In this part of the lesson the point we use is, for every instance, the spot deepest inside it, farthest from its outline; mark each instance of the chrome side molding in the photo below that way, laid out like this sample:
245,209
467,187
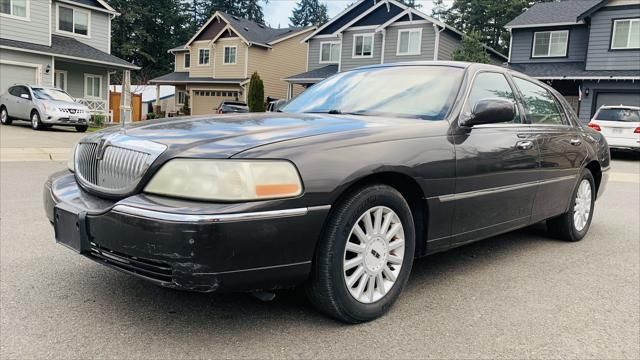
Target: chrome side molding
214,218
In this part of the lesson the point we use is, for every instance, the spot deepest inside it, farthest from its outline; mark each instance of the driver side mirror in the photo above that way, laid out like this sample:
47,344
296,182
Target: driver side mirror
491,111
25,96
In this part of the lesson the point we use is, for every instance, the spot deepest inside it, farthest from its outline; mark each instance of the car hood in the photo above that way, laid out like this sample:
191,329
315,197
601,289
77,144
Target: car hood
223,136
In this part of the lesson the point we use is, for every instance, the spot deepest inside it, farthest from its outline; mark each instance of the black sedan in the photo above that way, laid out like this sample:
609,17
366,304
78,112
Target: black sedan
340,192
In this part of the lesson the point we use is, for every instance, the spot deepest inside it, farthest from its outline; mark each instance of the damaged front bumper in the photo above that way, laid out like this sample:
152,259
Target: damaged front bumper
187,245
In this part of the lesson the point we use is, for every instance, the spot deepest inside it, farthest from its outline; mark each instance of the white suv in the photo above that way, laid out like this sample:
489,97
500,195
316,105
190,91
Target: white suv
620,125
43,106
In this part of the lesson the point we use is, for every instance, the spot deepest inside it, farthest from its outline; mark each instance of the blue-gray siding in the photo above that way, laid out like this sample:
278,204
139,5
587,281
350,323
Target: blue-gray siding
99,36
426,46
348,62
448,44
76,72
599,56
521,47
35,30
314,52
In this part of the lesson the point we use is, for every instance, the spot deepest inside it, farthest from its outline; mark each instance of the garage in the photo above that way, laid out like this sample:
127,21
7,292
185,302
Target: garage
206,101
11,74
616,98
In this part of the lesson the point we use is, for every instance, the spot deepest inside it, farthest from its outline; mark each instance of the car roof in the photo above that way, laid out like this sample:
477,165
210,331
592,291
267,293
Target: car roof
626,107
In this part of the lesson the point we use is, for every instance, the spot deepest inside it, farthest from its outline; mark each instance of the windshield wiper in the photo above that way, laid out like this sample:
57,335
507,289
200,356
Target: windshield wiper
332,112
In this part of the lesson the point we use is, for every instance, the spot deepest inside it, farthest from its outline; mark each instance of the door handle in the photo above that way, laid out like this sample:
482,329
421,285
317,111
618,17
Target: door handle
524,145
576,142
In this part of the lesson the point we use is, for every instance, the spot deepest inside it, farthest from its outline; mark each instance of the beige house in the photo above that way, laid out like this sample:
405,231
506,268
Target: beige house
217,62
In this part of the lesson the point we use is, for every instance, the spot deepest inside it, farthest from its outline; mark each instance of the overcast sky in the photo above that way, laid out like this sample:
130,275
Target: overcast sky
277,12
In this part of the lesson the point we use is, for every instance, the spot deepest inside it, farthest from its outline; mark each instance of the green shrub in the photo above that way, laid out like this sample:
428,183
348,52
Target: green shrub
151,115
255,98
98,120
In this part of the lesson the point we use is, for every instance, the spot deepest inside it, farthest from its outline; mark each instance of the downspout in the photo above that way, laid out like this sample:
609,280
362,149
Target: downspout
340,61
436,46
510,45
384,38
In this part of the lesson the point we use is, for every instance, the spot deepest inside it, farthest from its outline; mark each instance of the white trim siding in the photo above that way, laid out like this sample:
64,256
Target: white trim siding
73,22
93,78
354,53
409,51
331,44
629,45
224,55
552,36
10,15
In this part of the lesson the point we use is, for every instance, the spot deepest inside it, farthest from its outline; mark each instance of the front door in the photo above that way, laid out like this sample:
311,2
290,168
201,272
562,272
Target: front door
496,168
562,148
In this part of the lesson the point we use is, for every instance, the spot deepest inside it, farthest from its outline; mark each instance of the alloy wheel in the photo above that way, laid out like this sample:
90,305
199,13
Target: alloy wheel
3,116
582,206
35,120
374,254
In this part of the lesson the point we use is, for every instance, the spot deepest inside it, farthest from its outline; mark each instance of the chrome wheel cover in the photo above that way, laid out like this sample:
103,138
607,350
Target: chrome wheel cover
582,206
34,120
374,254
3,116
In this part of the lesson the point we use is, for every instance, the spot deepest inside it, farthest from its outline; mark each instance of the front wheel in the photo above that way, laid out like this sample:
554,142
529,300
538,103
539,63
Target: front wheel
574,224
365,257
36,123
81,128
4,116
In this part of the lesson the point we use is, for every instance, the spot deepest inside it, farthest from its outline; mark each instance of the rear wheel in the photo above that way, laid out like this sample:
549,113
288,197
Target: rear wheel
365,257
4,116
36,123
81,128
574,224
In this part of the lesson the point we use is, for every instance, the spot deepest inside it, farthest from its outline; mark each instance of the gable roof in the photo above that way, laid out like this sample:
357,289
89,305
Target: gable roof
251,32
99,5
567,12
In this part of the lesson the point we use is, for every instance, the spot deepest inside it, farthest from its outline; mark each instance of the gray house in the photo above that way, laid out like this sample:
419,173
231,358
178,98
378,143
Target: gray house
376,32
61,43
589,50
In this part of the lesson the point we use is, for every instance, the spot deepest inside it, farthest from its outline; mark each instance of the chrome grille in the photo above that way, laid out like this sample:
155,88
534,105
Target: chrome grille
115,164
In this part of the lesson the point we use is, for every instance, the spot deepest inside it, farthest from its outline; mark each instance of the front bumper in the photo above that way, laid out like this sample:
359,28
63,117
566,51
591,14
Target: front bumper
162,241
65,119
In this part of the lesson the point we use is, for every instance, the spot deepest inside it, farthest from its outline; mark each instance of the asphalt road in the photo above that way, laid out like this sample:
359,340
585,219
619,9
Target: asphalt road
520,295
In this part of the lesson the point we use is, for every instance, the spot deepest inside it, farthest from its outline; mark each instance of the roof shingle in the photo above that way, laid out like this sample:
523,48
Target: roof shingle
569,70
316,74
556,12
183,78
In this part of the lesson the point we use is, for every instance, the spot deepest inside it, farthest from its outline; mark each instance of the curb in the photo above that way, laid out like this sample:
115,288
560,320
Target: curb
34,154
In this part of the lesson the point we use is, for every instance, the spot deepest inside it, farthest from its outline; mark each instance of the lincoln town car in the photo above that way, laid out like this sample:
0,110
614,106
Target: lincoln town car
339,191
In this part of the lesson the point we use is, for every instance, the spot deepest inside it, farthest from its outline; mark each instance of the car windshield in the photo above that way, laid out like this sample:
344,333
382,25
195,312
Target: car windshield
51,94
424,92
626,115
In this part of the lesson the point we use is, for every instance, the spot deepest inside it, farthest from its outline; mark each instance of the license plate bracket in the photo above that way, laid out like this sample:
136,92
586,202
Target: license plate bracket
70,228
73,118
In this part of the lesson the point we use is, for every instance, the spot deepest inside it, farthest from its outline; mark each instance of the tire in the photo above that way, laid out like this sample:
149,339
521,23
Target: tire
4,116
328,287
36,123
81,128
569,226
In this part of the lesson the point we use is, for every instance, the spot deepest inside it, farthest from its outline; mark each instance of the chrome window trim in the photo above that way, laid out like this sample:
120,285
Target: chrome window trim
213,218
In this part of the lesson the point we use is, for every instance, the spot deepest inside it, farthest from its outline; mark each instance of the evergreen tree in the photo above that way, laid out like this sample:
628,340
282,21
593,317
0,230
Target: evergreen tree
411,3
251,10
309,12
439,10
255,97
144,32
471,49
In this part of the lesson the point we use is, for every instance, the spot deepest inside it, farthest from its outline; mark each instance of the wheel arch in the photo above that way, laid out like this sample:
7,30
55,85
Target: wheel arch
409,188
596,170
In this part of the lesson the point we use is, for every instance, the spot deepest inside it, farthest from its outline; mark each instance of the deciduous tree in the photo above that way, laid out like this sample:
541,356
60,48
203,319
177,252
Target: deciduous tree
471,49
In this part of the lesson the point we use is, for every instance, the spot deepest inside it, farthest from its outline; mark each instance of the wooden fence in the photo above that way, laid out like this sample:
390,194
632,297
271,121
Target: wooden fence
136,106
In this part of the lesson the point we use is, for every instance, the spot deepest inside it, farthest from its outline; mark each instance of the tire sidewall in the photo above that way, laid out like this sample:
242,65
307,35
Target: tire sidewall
585,175
4,116
364,200
38,124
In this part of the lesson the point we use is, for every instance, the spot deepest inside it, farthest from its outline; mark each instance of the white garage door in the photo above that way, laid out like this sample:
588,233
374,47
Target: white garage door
14,74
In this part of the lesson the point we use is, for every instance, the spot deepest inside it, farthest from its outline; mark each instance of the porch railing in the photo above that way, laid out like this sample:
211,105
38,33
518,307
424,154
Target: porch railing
96,106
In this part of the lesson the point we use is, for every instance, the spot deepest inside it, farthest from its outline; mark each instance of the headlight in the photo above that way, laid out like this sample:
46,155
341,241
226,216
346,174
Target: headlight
226,180
71,163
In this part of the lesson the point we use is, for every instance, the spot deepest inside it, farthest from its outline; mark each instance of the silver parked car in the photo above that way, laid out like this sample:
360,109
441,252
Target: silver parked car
43,106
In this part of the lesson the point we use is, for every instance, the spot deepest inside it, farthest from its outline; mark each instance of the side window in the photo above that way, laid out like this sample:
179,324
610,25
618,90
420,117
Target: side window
14,91
489,85
541,107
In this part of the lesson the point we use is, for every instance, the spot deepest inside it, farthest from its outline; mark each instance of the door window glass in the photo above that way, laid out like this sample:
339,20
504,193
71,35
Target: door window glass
540,105
488,85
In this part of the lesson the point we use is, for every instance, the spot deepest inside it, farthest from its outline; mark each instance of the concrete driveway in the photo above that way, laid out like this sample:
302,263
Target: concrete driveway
18,142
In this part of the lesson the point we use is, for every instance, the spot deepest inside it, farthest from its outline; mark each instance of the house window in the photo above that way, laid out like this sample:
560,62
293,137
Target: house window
182,97
60,79
17,8
363,45
203,56
626,34
550,43
409,42
73,21
92,86
230,54
187,60
330,52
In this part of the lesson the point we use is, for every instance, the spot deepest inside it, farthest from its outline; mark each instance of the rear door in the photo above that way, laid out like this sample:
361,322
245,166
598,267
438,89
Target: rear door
496,168
561,144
